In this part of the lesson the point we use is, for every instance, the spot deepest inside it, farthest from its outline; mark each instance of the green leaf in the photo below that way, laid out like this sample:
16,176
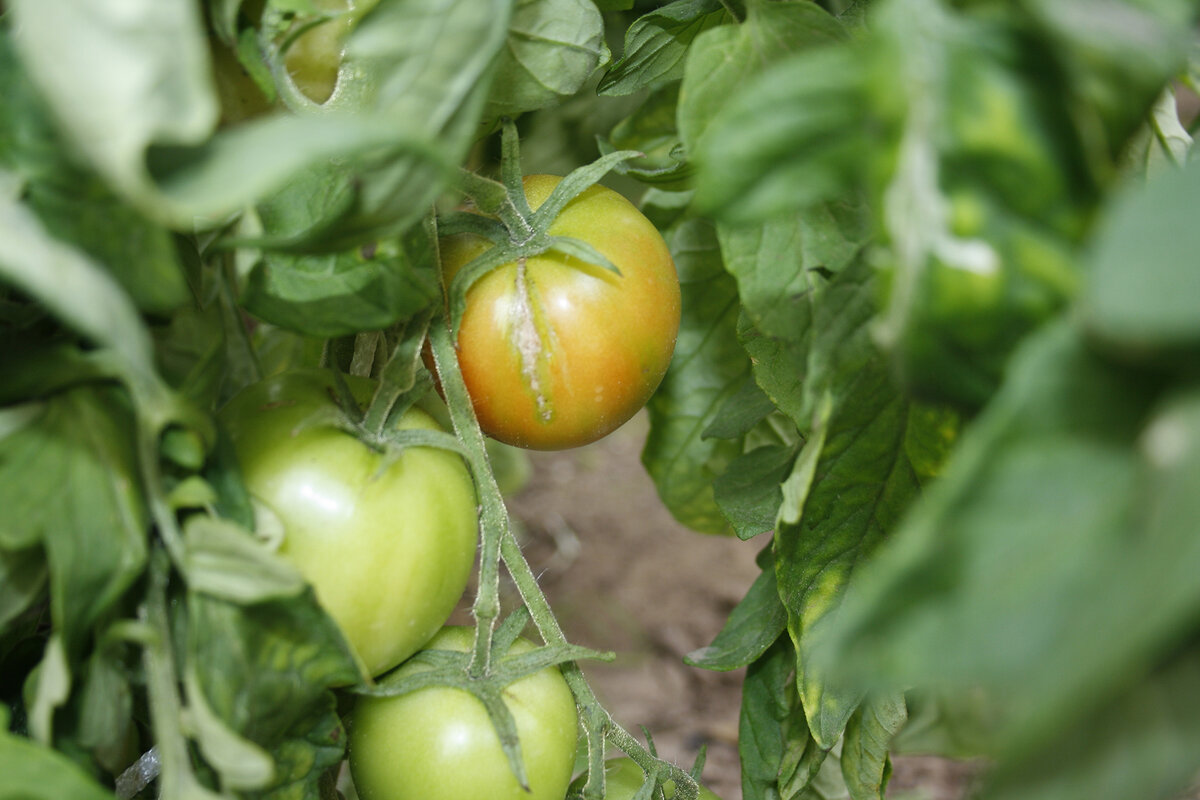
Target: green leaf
656,45
773,262
1142,293
753,626
875,450
265,671
32,772
708,368
553,47
22,580
106,708
74,205
68,481
741,413
1140,744
225,561
119,77
748,492
1049,566
781,364
865,765
651,130
70,285
341,294
770,716
786,139
723,59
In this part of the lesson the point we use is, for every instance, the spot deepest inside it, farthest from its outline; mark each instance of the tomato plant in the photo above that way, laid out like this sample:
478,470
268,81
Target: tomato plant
555,352
927,267
439,743
386,539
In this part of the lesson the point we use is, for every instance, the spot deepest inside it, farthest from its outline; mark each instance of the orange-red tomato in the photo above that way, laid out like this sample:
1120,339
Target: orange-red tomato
557,352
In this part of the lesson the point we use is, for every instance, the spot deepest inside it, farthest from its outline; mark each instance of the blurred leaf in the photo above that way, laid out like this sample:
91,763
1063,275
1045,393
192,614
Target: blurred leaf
68,480
241,764
708,367
865,764
225,561
651,130
74,205
266,671
1142,292
1118,55
788,138
753,626
106,713
70,285
1045,537
723,59
656,45
22,578
748,492
120,75
553,47
1142,743
32,772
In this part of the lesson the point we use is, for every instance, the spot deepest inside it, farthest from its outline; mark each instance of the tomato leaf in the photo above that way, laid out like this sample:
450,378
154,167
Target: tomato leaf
865,764
68,482
22,581
227,562
553,47
770,711
1156,308
265,671
748,492
753,626
722,59
39,773
656,45
708,367
1047,485
773,262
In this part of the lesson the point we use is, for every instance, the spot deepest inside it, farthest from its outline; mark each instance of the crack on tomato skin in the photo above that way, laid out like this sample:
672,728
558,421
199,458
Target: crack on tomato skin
527,339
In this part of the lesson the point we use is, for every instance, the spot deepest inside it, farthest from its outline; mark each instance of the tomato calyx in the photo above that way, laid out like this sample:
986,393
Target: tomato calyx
499,212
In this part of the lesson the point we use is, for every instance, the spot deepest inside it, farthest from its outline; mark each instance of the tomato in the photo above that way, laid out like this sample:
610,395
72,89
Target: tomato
557,353
438,743
388,545
315,58
623,777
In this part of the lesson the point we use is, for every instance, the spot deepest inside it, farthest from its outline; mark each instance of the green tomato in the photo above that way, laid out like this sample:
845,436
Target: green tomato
387,543
438,743
623,778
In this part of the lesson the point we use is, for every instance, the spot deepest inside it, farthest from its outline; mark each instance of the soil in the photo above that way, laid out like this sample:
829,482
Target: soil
622,575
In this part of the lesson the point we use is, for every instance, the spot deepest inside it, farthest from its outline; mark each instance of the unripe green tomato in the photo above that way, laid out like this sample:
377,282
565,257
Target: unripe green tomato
315,58
557,353
623,777
438,743
387,543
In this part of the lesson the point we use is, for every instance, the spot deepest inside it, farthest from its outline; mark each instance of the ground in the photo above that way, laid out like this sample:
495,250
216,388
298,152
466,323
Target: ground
622,575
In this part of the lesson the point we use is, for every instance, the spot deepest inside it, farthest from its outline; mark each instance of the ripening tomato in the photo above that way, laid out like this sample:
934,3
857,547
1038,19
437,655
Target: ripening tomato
388,542
438,743
556,352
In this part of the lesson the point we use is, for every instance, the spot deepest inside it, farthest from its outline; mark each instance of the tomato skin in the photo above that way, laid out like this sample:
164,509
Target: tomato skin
388,548
556,353
623,777
438,743
314,60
